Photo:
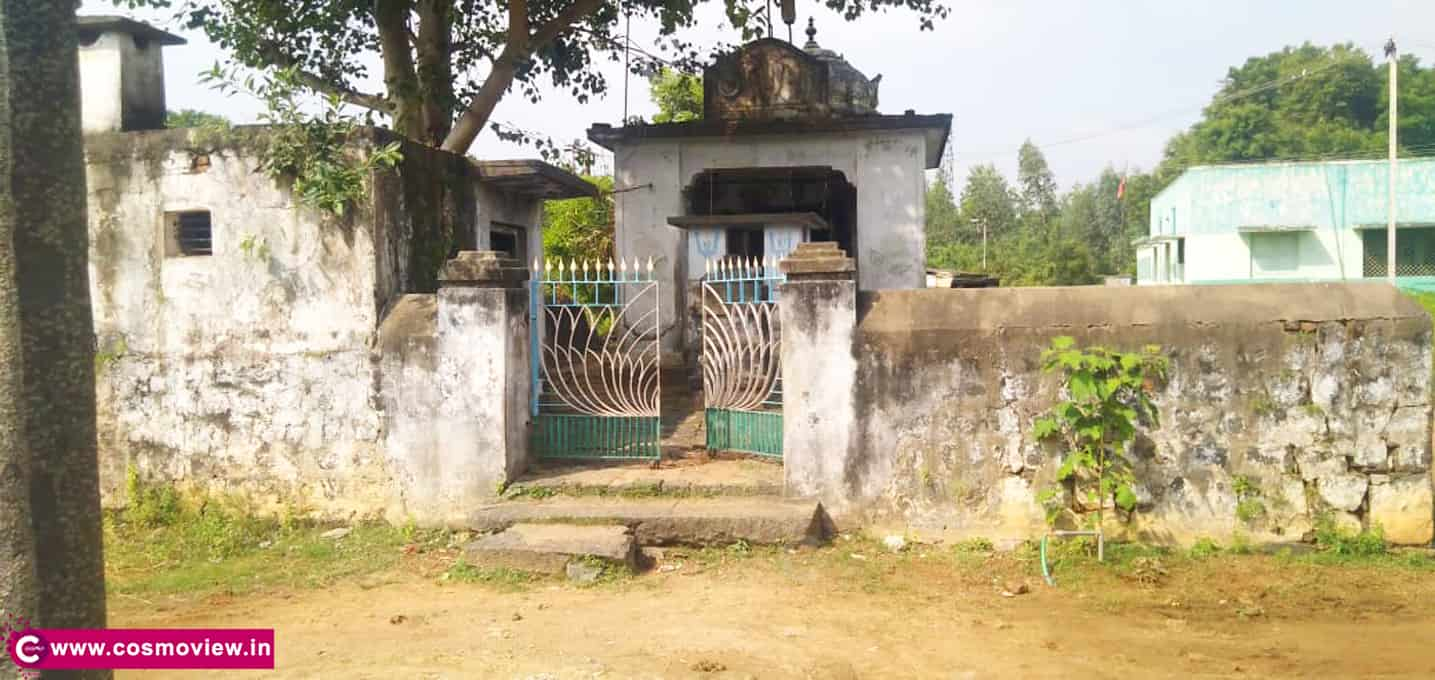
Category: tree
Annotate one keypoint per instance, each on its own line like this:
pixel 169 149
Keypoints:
pixel 431 51
pixel 190 118
pixel 579 229
pixel 989 200
pixel 678 95
pixel 1036 182
pixel 45 312
pixel 943 217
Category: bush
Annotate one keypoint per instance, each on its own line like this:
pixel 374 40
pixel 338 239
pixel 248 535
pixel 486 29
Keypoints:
pixel 1332 539
pixel 1205 547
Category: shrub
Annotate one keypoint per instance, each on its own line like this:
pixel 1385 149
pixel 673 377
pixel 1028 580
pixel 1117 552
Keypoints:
pixel 1107 394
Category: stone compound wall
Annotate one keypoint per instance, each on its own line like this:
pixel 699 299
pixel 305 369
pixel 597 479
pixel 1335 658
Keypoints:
pixel 253 371
pixel 1317 394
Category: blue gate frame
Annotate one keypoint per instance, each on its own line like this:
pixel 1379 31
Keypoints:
pixel 742 356
pixel 595 360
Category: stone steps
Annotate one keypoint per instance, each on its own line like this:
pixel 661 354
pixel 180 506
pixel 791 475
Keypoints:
pixel 556 549
pixel 711 478
pixel 669 521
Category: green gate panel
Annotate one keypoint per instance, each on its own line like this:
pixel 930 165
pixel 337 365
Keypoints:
pixel 757 432
pixel 596 437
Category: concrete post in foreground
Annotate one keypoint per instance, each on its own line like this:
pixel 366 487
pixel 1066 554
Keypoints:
pixel 819 372
pixel 483 370
pixel 42 205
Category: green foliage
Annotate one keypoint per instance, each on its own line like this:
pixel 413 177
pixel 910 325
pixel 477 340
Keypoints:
pixel 1332 539
pixel 1203 548
pixel 1250 505
pixel 1325 101
pixel 679 96
pixel 974 546
pixel 107 355
pixel 1107 395
pixel 149 506
pixel 310 151
pixel 1033 238
pixel 255 247
pixel 446 65
pixel 191 118
pixel 578 229
pixel 503 577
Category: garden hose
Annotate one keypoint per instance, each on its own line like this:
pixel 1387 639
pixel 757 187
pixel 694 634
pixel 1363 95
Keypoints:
pixel 1045 570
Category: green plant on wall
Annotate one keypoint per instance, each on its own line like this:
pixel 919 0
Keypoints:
pixel 308 150
pixel 1249 504
pixel 255 247
pixel 1106 395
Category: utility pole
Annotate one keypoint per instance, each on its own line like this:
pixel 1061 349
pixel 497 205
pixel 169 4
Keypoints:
pixel 984 242
pixel 1390 56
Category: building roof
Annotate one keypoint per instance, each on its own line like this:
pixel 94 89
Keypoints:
pixel 95 25
pixel 808 220
pixel 936 126
pixel 534 178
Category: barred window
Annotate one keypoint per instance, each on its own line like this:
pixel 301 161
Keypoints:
pixel 188 233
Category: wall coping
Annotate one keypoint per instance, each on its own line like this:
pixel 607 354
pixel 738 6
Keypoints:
pixel 818 261
pixel 482 269
pixel 1097 306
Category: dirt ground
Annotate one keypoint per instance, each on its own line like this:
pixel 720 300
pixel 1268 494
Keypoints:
pixel 847 611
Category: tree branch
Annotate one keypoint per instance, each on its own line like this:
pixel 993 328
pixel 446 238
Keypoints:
pixel 373 102
pixel 520 46
pixel 363 100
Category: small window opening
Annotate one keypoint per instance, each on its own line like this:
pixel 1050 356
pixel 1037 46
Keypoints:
pixel 189 233
pixel 745 243
pixel 510 239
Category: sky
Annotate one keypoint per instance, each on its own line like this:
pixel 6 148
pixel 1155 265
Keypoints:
pixel 1124 74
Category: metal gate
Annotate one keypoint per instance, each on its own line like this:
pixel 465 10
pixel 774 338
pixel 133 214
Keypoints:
pixel 595 360
pixel 742 356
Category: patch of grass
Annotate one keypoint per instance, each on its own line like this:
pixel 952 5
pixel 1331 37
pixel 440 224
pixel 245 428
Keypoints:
pixel 508 579
pixel 163 543
pixel 973 546
pixel 1331 539
pixel 1204 548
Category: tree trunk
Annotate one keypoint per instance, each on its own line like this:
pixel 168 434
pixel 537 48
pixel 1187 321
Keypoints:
pixel 435 68
pixel 472 121
pixel 56 328
pixel 392 19
pixel 19 590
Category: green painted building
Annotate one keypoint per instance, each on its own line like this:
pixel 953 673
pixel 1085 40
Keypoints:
pixel 1298 221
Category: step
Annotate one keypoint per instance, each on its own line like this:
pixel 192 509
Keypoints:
pixel 741 477
pixel 550 548
pixel 667 521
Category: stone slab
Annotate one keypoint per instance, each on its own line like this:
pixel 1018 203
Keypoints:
pixel 686 521
pixel 1404 509
pixel 548 548
pixel 711 478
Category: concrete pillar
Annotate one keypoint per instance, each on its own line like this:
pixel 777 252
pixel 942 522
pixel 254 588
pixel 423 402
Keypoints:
pixel 482 347
pixel 818 309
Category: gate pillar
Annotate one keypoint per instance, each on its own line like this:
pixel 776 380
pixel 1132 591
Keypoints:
pixel 483 358
pixel 818 307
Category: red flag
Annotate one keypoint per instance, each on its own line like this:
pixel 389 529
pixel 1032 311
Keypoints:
pixel 1121 189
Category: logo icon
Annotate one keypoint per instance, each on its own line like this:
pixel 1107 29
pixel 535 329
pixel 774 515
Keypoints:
pixel 24 647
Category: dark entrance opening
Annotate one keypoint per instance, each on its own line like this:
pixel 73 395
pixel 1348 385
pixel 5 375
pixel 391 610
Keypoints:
pixel 814 189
